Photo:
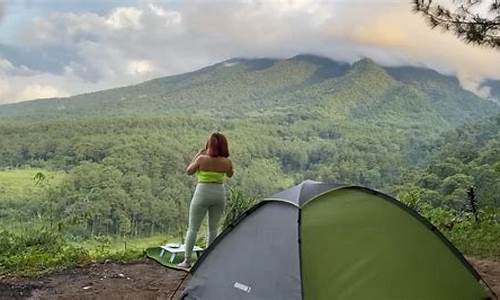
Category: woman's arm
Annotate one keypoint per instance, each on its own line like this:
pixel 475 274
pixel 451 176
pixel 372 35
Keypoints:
pixel 194 165
pixel 230 170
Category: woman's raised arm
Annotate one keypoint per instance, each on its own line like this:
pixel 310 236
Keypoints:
pixel 194 165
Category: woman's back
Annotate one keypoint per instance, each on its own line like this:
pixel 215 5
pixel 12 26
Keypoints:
pixel 213 169
pixel 214 164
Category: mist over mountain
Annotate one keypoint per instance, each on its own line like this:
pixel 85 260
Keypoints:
pixel 493 87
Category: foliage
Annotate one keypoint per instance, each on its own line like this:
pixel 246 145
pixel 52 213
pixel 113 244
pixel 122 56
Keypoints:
pixel 236 205
pixel 477 238
pixel 467 21
pixel 37 251
pixel 461 158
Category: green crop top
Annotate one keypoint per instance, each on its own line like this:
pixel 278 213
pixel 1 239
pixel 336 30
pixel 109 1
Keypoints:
pixel 210 176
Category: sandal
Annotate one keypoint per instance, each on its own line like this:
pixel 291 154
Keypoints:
pixel 184 264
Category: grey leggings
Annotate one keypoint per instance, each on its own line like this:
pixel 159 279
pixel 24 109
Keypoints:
pixel 211 198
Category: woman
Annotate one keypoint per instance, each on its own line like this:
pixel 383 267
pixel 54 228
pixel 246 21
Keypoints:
pixel 210 166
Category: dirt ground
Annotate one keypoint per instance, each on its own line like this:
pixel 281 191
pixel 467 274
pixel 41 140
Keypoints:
pixel 489 271
pixel 140 280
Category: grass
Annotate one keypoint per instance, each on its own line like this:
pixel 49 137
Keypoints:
pixel 37 251
pixel 21 183
pixel 479 240
pixel 115 245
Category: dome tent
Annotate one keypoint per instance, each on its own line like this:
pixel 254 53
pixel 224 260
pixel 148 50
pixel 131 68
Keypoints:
pixel 327 241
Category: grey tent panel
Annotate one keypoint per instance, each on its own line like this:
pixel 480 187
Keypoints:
pixel 250 261
pixel 305 191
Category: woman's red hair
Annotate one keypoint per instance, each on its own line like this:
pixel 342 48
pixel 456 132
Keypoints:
pixel 217 145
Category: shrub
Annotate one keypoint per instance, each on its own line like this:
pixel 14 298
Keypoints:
pixel 236 205
pixel 35 251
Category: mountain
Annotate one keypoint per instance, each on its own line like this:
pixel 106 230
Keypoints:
pixel 306 117
pixel 240 87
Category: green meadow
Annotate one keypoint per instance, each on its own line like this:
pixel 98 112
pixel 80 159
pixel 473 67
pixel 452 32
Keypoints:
pixel 23 183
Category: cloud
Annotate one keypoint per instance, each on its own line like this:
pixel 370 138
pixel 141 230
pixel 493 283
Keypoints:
pixel 16 83
pixel 2 10
pixel 430 48
pixel 125 17
pixel 139 67
pixel 34 91
pixel 132 43
pixel 8 69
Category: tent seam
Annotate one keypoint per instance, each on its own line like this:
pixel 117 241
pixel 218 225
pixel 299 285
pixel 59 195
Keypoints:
pixel 299 233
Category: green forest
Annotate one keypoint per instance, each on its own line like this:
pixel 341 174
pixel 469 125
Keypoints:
pixel 110 164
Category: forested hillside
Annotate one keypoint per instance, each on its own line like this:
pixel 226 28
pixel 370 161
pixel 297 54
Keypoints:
pixel 120 154
pixel 464 157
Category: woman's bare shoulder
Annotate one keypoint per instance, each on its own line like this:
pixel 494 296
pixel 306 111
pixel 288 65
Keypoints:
pixel 204 157
pixel 226 160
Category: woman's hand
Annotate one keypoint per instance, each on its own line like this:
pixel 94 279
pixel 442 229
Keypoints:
pixel 201 152
pixel 194 164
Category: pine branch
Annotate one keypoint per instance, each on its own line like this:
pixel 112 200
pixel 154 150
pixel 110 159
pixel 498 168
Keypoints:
pixel 466 24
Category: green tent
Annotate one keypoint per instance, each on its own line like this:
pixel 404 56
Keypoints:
pixel 327 241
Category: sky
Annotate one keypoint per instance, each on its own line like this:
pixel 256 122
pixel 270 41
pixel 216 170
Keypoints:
pixel 58 48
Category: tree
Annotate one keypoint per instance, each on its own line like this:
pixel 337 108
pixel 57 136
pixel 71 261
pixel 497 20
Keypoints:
pixel 475 21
